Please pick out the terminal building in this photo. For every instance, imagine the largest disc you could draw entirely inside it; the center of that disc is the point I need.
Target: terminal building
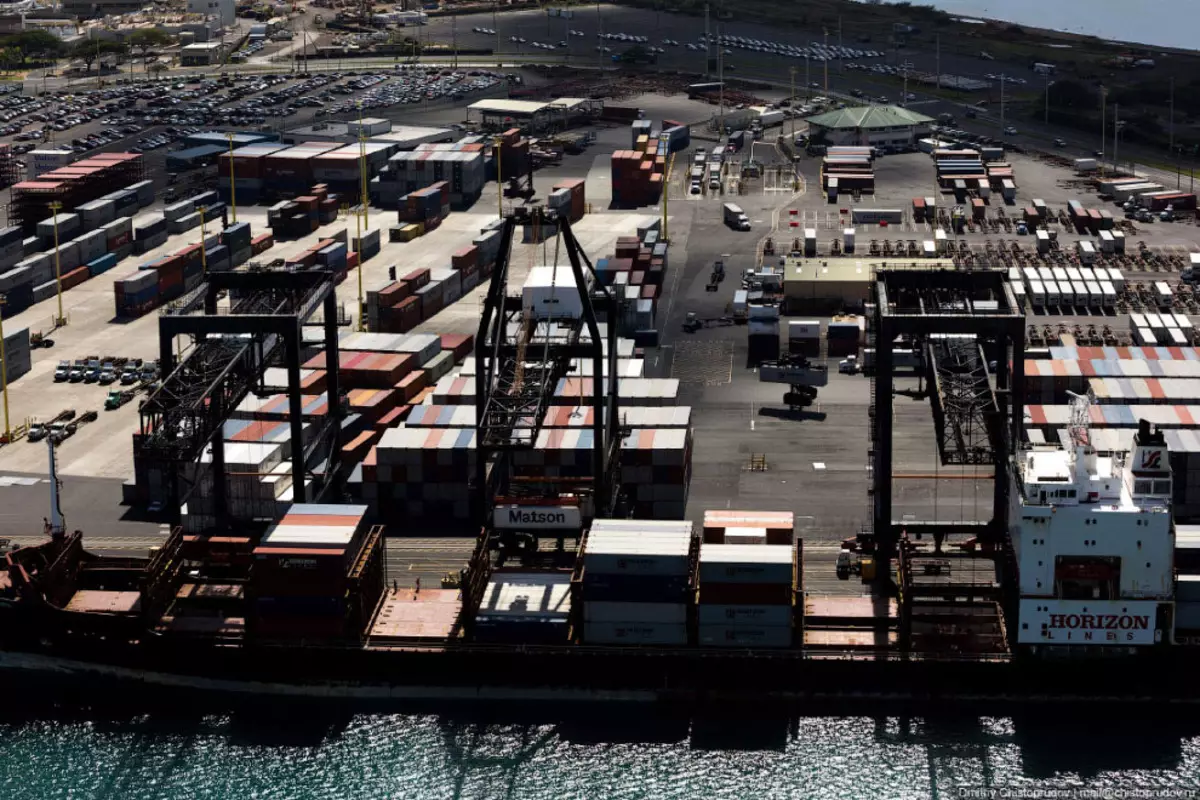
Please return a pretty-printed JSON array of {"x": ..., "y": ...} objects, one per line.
[
  {"x": 532, "y": 116},
  {"x": 873, "y": 126}
]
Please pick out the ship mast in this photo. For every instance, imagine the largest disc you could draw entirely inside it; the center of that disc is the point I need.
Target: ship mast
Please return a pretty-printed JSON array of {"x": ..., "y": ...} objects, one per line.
[{"x": 58, "y": 524}]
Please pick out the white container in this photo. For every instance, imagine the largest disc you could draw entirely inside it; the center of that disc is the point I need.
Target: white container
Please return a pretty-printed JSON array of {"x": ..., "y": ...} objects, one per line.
[
  {"x": 1087, "y": 252},
  {"x": 727, "y": 563},
  {"x": 848, "y": 240},
  {"x": 804, "y": 329},
  {"x": 551, "y": 292},
  {"x": 929, "y": 248}
]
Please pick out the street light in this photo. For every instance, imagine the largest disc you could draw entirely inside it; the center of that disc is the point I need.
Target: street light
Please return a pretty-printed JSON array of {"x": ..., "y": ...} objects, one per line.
[
  {"x": 203, "y": 246},
  {"x": 54, "y": 207},
  {"x": 4, "y": 373},
  {"x": 232, "y": 180}
]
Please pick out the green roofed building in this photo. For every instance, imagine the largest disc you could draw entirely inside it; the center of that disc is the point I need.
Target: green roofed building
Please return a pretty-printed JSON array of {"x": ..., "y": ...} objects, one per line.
[{"x": 875, "y": 126}]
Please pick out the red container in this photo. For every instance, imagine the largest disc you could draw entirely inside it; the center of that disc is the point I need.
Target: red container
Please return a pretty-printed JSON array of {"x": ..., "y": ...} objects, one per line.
[
  {"x": 411, "y": 385},
  {"x": 461, "y": 344},
  {"x": 351, "y": 260},
  {"x": 357, "y": 448},
  {"x": 417, "y": 279},
  {"x": 392, "y": 418},
  {"x": 465, "y": 258},
  {"x": 74, "y": 277},
  {"x": 393, "y": 293}
]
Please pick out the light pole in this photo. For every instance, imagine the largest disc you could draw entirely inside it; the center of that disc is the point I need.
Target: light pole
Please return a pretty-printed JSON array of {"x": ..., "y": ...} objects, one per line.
[
  {"x": 4, "y": 373},
  {"x": 1103, "y": 130},
  {"x": 54, "y": 208},
  {"x": 1046, "y": 120},
  {"x": 203, "y": 246},
  {"x": 825, "y": 61},
  {"x": 792, "y": 72},
  {"x": 232, "y": 180},
  {"x": 499, "y": 182},
  {"x": 905, "y": 66},
  {"x": 362, "y": 165}
]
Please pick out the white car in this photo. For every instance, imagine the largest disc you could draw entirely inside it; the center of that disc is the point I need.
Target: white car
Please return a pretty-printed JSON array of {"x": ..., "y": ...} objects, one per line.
[{"x": 1010, "y": 131}]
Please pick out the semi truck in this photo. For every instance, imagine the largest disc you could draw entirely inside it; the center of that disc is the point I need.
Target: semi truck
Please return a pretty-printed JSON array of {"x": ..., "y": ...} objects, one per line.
[{"x": 736, "y": 218}]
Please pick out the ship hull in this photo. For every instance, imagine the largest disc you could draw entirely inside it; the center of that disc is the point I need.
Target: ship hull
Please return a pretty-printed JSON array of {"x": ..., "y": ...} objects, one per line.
[{"x": 555, "y": 675}]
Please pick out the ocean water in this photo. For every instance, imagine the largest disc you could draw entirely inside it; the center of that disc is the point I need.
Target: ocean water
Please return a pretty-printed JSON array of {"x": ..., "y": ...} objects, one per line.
[
  {"x": 1167, "y": 23},
  {"x": 294, "y": 751}
]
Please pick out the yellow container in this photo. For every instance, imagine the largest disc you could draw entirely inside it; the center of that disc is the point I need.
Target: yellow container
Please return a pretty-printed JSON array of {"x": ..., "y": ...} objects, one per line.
[{"x": 868, "y": 568}]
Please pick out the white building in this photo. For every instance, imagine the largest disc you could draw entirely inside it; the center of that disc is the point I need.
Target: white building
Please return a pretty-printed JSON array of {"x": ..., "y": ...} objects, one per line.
[
  {"x": 221, "y": 9},
  {"x": 1094, "y": 543},
  {"x": 46, "y": 160},
  {"x": 873, "y": 126},
  {"x": 201, "y": 54}
]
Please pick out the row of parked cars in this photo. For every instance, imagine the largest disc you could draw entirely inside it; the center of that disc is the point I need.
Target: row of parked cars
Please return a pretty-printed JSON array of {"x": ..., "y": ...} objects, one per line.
[{"x": 104, "y": 372}]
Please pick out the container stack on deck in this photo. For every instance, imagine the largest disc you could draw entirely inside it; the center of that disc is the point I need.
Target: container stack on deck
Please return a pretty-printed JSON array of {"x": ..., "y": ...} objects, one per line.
[
  {"x": 1160, "y": 384},
  {"x": 304, "y": 583},
  {"x": 746, "y": 591},
  {"x": 635, "y": 579},
  {"x": 525, "y": 608},
  {"x": 637, "y": 175}
]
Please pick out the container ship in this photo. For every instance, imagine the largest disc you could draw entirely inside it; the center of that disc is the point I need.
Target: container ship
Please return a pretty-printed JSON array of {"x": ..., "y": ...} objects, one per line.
[{"x": 586, "y": 583}]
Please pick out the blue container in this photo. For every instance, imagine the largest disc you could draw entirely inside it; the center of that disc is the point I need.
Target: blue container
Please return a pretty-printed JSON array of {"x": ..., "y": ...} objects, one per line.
[{"x": 102, "y": 264}]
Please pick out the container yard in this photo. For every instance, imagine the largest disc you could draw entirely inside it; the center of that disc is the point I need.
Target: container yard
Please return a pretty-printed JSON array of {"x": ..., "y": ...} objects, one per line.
[{"x": 569, "y": 405}]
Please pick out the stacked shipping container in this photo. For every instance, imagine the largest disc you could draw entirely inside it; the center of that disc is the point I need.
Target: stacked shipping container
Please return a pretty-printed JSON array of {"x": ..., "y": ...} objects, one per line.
[{"x": 635, "y": 578}]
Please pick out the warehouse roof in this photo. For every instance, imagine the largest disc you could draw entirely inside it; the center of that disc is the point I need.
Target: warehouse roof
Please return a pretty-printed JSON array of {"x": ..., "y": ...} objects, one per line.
[
  {"x": 851, "y": 269},
  {"x": 195, "y": 153},
  {"x": 519, "y": 107},
  {"x": 568, "y": 102},
  {"x": 869, "y": 117}
]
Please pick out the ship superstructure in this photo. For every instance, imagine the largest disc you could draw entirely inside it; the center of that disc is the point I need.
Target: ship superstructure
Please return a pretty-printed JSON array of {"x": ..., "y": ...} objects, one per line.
[{"x": 1093, "y": 540}]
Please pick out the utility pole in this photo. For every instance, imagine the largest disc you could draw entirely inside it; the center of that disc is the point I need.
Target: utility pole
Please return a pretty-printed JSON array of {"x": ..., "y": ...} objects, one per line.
[
  {"x": 707, "y": 43},
  {"x": 454, "y": 37},
  {"x": 721, "y": 86},
  {"x": 841, "y": 61},
  {"x": 1171, "y": 129},
  {"x": 826, "y": 62},
  {"x": 203, "y": 246},
  {"x": 938, "y": 58},
  {"x": 792, "y": 72},
  {"x": 1103, "y": 130},
  {"x": 1116, "y": 132},
  {"x": 54, "y": 209},
  {"x": 499, "y": 182},
  {"x": 904, "y": 97},
  {"x": 4, "y": 373},
  {"x": 496, "y": 29},
  {"x": 600, "y": 51},
  {"x": 1046, "y": 120},
  {"x": 362, "y": 165},
  {"x": 1002, "y": 82},
  {"x": 807, "y": 77},
  {"x": 232, "y": 181}
]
